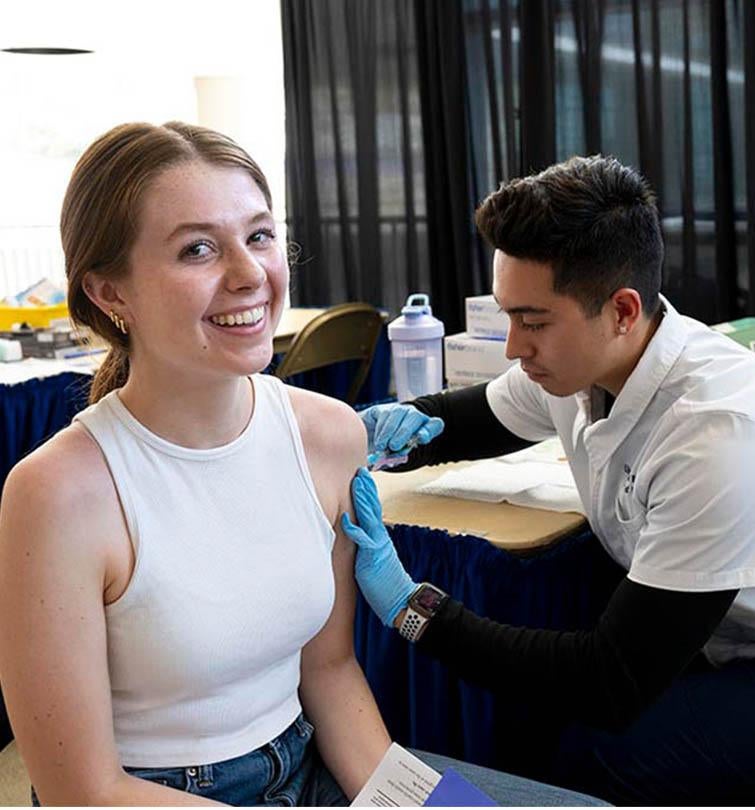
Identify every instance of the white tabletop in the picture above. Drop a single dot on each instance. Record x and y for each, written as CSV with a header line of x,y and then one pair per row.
x,y
32,368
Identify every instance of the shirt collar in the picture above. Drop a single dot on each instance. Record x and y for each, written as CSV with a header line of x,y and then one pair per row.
x,y
659,357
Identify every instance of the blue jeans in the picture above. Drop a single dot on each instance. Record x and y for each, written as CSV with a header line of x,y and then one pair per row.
x,y
511,791
288,772
285,772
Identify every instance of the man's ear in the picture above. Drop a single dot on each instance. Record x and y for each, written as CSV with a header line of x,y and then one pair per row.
x,y
104,294
626,310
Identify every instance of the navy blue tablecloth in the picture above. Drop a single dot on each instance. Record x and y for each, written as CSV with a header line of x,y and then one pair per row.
x,y
32,411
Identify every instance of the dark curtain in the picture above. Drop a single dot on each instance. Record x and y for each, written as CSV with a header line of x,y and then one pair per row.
x,y
355,157
402,115
667,86
378,162
450,223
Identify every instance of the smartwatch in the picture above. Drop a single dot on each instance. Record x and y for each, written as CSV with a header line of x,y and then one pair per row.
x,y
424,603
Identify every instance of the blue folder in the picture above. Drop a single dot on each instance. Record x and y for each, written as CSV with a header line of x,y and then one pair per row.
x,y
454,790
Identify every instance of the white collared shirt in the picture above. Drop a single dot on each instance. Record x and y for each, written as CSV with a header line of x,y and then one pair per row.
x,y
668,478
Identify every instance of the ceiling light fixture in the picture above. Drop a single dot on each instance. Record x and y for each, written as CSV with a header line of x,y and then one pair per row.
x,y
47,51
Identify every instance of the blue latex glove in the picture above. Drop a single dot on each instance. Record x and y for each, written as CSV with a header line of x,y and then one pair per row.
x,y
391,427
379,573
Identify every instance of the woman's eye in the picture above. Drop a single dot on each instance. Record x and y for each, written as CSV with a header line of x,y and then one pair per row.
x,y
196,250
262,236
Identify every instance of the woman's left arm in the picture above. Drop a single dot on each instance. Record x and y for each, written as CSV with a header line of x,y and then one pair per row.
x,y
349,730
350,734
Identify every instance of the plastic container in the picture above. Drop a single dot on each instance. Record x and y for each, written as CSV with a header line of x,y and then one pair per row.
x,y
417,349
34,316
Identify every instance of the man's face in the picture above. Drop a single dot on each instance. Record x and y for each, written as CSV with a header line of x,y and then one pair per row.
x,y
559,347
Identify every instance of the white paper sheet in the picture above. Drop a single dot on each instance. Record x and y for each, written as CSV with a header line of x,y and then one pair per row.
x,y
538,476
400,780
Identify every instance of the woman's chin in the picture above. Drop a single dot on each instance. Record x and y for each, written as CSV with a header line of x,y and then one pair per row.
x,y
256,362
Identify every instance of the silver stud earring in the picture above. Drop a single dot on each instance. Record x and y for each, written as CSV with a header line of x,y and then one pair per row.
x,y
118,321
622,330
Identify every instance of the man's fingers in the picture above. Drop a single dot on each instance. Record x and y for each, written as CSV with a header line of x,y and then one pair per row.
x,y
406,430
387,425
432,428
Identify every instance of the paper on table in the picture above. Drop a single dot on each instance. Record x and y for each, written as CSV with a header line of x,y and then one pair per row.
x,y
538,476
400,780
549,451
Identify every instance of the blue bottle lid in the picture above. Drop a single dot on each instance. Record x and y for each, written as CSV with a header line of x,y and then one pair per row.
x,y
416,321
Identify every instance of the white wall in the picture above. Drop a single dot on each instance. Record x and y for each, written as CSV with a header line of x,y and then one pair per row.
x,y
217,63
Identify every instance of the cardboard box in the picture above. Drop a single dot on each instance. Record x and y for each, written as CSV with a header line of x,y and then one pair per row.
x,y
454,385
484,318
51,343
742,330
473,359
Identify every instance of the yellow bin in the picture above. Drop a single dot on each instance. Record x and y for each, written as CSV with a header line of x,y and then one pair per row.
x,y
34,316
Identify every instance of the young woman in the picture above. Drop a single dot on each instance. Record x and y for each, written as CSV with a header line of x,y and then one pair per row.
x,y
175,588
169,562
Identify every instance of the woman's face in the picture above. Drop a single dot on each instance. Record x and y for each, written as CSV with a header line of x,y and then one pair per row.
x,y
206,256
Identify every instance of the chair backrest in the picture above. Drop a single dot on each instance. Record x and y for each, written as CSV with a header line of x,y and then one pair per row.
x,y
342,332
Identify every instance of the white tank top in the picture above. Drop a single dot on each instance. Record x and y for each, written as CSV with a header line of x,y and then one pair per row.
x,y
233,576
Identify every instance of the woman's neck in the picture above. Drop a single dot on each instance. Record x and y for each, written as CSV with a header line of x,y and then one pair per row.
x,y
189,412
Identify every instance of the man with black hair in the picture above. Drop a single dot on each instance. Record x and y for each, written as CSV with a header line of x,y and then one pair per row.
x,y
656,414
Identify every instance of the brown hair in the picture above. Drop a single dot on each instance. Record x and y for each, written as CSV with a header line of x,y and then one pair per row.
x,y
592,219
100,214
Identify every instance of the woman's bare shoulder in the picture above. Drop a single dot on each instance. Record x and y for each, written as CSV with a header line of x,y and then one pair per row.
x,y
67,473
329,426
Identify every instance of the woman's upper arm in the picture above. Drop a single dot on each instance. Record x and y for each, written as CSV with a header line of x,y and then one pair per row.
x,y
336,446
53,649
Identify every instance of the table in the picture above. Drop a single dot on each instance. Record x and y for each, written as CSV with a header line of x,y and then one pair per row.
x,y
291,323
514,528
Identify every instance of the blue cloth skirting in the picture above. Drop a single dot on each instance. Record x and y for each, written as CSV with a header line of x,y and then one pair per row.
x,y
32,411
424,705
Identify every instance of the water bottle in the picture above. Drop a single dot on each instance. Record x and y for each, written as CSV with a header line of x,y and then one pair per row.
x,y
417,349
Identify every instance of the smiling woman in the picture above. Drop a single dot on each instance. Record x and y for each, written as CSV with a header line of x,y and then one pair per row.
x,y
145,547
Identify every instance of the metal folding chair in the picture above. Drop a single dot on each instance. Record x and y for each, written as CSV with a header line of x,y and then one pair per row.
x,y
342,332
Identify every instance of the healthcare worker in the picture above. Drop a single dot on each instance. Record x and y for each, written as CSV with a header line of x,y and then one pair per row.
x,y
656,414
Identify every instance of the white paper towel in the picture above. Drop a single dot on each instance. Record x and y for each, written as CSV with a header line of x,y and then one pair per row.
x,y
538,476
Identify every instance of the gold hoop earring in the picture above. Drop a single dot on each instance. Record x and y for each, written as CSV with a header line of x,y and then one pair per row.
x,y
118,321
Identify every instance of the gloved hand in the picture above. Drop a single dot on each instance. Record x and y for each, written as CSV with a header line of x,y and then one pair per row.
x,y
392,426
381,577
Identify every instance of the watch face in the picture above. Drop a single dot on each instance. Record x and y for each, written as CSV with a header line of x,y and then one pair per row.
x,y
427,600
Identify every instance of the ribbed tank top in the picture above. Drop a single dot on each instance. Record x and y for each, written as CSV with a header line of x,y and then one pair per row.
x,y
233,576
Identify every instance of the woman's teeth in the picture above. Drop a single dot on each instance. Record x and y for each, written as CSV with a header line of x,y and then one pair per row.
x,y
248,316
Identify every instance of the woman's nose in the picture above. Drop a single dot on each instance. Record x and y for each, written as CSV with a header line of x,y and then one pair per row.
x,y
245,270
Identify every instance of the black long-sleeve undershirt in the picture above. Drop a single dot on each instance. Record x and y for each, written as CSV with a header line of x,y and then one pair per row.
x,y
471,430
605,676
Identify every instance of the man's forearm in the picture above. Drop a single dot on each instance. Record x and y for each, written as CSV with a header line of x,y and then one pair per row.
x,y
604,676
